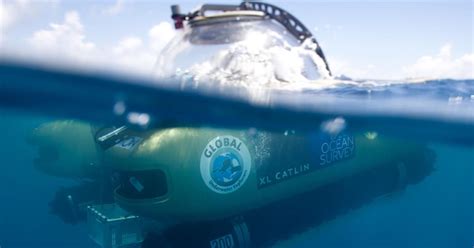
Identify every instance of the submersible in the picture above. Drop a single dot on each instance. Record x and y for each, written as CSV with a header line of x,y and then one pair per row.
x,y
214,187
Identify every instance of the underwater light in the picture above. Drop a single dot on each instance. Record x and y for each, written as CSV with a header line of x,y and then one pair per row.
x,y
371,135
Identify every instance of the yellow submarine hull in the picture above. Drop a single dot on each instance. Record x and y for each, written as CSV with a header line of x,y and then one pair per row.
x,y
194,174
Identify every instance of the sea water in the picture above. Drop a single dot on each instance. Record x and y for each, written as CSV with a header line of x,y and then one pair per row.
x,y
437,212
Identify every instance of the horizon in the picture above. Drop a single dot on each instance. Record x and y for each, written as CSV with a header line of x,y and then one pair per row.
x,y
361,39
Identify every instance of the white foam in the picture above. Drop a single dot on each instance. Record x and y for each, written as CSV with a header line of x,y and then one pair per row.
x,y
250,63
255,65
260,62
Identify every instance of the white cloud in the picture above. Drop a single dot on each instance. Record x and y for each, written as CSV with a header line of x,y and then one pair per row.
x,y
140,54
66,44
345,67
442,65
128,44
63,40
11,12
130,53
115,9
439,66
159,35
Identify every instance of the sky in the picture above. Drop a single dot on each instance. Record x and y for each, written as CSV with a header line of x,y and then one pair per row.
x,y
367,39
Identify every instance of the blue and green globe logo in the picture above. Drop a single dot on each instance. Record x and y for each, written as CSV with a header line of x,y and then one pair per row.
x,y
225,164
226,169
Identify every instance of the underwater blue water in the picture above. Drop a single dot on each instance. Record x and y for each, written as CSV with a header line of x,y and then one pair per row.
x,y
437,212
24,212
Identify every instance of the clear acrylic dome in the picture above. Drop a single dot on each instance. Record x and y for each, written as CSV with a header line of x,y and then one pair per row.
x,y
239,50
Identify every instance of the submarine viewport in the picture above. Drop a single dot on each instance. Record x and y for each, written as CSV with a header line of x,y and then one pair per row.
x,y
252,43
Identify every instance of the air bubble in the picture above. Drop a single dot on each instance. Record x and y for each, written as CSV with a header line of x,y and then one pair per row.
x,y
119,108
141,119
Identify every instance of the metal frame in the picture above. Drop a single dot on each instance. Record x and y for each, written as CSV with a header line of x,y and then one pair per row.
x,y
291,23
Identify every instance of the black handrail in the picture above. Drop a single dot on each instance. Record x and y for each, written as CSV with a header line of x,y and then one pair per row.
x,y
291,23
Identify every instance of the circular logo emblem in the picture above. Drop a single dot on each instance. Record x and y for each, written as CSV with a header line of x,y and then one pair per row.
x,y
225,164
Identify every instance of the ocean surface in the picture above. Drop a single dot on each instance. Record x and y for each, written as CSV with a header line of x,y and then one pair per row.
x,y
435,212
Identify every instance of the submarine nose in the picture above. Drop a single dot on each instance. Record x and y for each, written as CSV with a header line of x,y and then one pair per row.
x,y
47,154
64,149
46,159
